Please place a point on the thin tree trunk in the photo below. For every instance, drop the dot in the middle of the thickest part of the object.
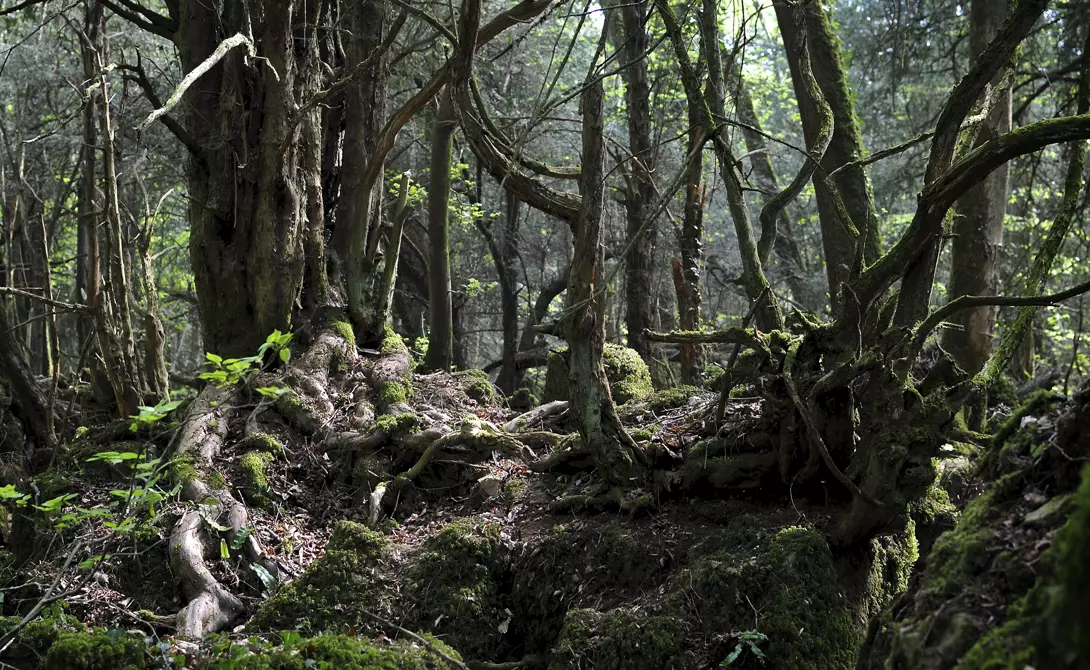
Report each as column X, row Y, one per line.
column 640, row 194
column 30, row 402
column 686, row 270
column 510, row 377
column 839, row 237
column 615, row 453
column 978, row 231
column 441, row 337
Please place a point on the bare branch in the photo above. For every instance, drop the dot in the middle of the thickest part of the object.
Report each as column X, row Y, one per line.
column 224, row 47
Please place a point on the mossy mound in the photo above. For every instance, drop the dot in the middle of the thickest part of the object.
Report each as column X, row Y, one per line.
column 254, row 477
column 47, row 644
column 336, row 590
column 142, row 571
column 621, row 639
column 476, row 385
column 629, row 378
column 780, row 582
column 454, row 588
column 1005, row 589
column 671, row 398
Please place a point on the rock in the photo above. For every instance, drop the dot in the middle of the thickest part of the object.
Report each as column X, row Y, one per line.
column 1049, row 513
column 488, row 487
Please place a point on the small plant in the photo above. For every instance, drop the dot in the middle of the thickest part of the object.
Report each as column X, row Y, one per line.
column 748, row 640
column 229, row 371
column 149, row 416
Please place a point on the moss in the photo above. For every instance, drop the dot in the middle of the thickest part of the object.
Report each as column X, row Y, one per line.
column 893, row 557
column 620, row 639
column 933, row 515
column 628, row 375
column 97, row 650
column 642, row 434
column 392, row 393
column 255, row 481
column 344, row 329
column 513, row 490
column 263, row 442
column 395, row 424
column 392, row 342
column 341, row 651
column 182, row 470
column 713, row 377
column 545, row 586
column 336, row 589
column 476, row 385
column 668, row 399
column 787, row 577
column 524, row 399
column 455, row 586
column 621, row 556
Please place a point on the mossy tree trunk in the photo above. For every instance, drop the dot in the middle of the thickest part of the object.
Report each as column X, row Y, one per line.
column 639, row 193
column 978, row 230
column 441, row 336
column 841, row 222
column 615, row 453
column 686, row 268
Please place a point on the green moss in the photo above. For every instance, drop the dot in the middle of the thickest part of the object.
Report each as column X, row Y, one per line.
column 787, row 577
column 642, row 434
column 263, row 442
column 395, row 424
column 255, row 482
column 524, row 399
column 392, row 393
column 628, row 375
column 476, row 385
column 182, row 470
column 336, row 589
column 344, row 329
column 455, row 585
column 620, row 639
column 893, row 557
column 97, row 650
column 392, row 342
column 668, row 399
column 513, row 490
column 341, row 651
column 545, row 586
column 142, row 571
column 622, row 557
column 933, row 515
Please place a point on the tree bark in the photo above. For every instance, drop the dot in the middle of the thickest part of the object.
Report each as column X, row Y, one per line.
column 441, row 337
column 510, row 377
column 247, row 186
column 839, row 237
column 30, row 402
column 978, row 231
column 686, row 269
column 615, row 453
column 640, row 194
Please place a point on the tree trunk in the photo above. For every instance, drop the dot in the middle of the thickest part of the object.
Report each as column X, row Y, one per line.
column 510, row 377
column 787, row 251
column 30, row 402
column 686, row 270
column 640, row 194
column 978, row 231
column 839, row 237
column 591, row 403
column 441, row 337
column 248, row 202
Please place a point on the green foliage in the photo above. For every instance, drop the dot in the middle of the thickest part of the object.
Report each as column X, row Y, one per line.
column 672, row 398
column 149, row 416
column 227, row 372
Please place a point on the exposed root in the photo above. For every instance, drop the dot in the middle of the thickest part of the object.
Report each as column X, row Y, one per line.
column 211, row 607
column 536, row 415
column 473, row 434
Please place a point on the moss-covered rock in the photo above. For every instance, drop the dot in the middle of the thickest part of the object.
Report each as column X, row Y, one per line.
column 933, row 515
column 455, row 586
column 620, row 639
column 780, row 581
column 339, row 651
column 476, row 385
column 336, row 589
column 628, row 375
column 142, row 571
column 392, row 393
column 98, row 650
column 671, row 398
column 344, row 329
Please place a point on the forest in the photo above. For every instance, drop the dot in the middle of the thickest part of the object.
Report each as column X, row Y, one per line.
column 544, row 334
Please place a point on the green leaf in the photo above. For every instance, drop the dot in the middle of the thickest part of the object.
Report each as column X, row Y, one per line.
column 213, row 358
column 266, row 578
column 93, row 561
column 113, row 457
column 240, row 538
column 285, row 355
column 225, row 553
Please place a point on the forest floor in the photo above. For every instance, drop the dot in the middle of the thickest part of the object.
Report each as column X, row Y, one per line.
column 481, row 563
